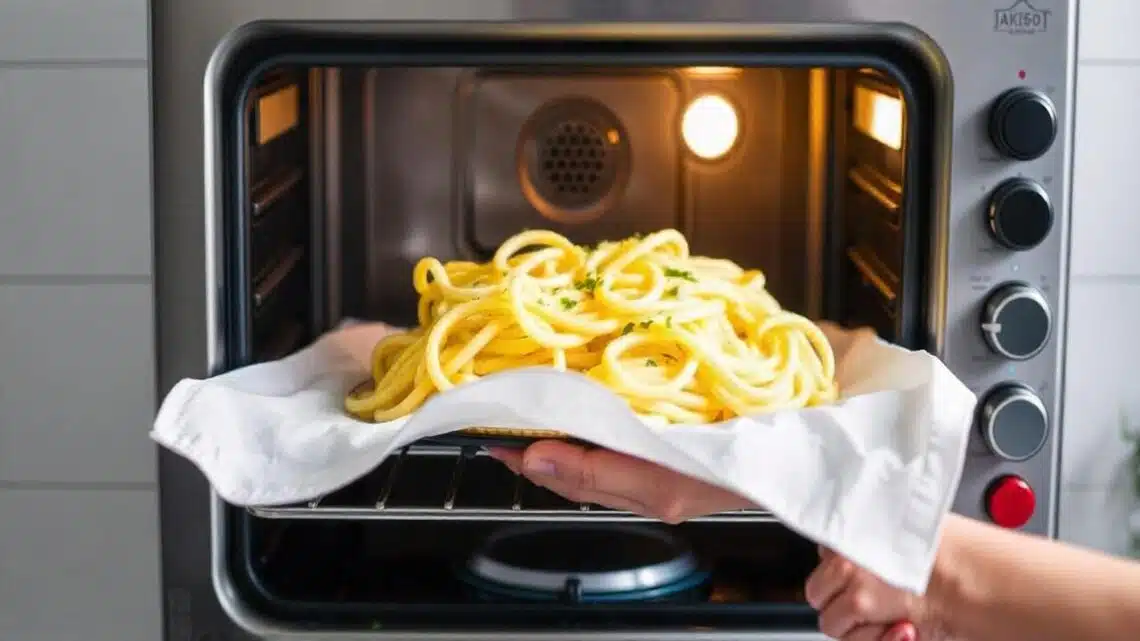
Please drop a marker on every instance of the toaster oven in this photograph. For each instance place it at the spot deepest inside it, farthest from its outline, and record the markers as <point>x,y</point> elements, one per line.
<point>898,165</point>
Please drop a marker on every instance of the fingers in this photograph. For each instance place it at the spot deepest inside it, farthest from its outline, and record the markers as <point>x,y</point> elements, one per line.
<point>867,633</point>
<point>618,481</point>
<point>877,632</point>
<point>849,599</point>
<point>511,458</point>
<point>848,610</point>
<point>830,577</point>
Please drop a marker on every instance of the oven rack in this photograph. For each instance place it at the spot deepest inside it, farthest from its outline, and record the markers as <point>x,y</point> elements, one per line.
<point>441,482</point>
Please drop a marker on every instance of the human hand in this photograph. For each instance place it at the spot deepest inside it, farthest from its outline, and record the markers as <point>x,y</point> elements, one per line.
<point>855,605</point>
<point>606,478</point>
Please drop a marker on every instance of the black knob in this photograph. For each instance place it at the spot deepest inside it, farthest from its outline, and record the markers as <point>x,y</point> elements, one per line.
<point>1016,321</point>
<point>1023,123</point>
<point>1014,422</point>
<point>1020,214</point>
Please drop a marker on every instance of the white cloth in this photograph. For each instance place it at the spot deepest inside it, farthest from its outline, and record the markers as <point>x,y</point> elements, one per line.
<point>871,477</point>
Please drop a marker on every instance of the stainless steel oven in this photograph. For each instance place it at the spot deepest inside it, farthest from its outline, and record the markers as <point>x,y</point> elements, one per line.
<point>897,164</point>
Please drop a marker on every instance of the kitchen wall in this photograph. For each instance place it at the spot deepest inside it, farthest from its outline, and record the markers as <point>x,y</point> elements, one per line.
<point>78,499</point>
<point>1102,394</point>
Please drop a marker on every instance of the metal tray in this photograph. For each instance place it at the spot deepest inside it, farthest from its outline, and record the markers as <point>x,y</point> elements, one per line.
<point>434,480</point>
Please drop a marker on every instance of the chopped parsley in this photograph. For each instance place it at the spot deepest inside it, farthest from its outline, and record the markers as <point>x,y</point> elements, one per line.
<point>673,291</point>
<point>645,324</point>
<point>627,329</point>
<point>567,303</point>
<point>651,363</point>
<point>587,284</point>
<point>670,358</point>
<point>680,273</point>
<point>668,321</point>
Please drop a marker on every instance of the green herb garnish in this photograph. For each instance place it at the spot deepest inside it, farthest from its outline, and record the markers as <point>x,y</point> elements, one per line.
<point>650,362</point>
<point>673,291</point>
<point>587,284</point>
<point>568,303</point>
<point>680,273</point>
<point>627,329</point>
<point>645,324</point>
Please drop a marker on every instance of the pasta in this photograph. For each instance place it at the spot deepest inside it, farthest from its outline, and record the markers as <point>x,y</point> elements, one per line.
<point>683,339</point>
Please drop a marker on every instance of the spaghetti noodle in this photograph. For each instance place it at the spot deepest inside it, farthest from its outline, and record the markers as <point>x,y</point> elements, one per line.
<point>683,339</point>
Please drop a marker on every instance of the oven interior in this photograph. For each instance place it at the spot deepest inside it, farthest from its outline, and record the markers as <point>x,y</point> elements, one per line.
<point>344,163</point>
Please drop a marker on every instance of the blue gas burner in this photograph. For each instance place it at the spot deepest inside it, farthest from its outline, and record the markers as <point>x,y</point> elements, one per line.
<point>595,563</point>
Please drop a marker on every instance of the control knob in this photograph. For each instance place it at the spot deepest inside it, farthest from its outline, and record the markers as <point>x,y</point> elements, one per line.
<point>1023,123</point>
<point>1016,321</point>
<point>1014,422</point>
<point>1020,214</point>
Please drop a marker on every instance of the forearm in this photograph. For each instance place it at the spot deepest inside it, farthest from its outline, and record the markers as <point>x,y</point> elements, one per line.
<point>995,585</point>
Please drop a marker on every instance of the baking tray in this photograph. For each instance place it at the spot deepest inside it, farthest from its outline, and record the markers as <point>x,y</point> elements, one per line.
<point>513,438</point>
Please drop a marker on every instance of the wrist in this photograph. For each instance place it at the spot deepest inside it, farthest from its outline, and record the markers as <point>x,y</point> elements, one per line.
<point>953,581</point>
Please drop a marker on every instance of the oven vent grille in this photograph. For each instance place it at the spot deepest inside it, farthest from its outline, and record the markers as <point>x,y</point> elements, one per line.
<point>574,159</point>
<point>428,482</point>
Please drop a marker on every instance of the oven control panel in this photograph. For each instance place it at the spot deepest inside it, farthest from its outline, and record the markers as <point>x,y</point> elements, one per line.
<point>1010,466</point>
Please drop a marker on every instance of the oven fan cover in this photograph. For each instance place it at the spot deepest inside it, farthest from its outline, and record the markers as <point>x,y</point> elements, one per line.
<point>584,564</point>
<point>573,160</point>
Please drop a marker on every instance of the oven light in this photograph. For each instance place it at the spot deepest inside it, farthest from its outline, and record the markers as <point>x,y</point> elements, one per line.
<point>879,116</point>
<point>713,72</point>
<point>710,127</point>
<point>277,113</point>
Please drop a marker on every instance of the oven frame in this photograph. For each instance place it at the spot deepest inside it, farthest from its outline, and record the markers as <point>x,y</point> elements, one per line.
<point>254,49</point>
<point>192,344</point>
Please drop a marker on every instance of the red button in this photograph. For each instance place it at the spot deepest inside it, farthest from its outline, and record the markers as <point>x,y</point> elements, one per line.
<point>1010,502</point>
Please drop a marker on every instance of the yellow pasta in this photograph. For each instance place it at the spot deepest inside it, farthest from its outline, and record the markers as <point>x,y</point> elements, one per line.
<point>684,339</point>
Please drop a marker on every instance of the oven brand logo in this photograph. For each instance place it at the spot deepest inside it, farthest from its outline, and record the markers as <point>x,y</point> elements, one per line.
<point>1021,19</point>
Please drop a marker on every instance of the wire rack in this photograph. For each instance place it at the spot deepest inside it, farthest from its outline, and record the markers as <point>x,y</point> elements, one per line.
<point>426,482</point>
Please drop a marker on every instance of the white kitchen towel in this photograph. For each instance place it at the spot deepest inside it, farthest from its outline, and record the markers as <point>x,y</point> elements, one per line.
<point>872,476</point>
